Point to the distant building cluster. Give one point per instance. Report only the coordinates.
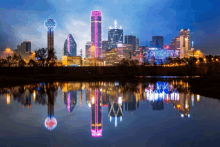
(117, 47)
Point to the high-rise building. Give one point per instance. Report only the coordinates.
(129, 39)
(96, 34)
(69, 46)
(157, 42)
(24, 47)
(184, 35)
(115, 36)
(137, 43)
(175, 44)
(88, 45)
(50, 24)
(105, 47)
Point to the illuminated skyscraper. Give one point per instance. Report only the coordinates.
(69, 46)
(175, 44)
(88, 45)
(50, 24)
(96, 33)
(115, 36)
(96, 113)
(184, 35)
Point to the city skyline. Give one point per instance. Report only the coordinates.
(28, 25)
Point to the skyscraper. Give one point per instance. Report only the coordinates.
(96, 33)
(137, 43)
(50, 24)
(129, 39)
(157, 42)
(69, 46)
(175, 44)
(88, 45)
(184, 35)
(105, 47)
(115, 36)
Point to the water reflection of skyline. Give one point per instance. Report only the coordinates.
(117, 98)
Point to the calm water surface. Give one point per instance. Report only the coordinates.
(107, 114)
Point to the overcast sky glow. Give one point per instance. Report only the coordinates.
(24, 20)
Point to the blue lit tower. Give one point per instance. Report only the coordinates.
(69, 46)
(50, 24)
(115, 36)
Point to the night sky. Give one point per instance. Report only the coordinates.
(24, 20)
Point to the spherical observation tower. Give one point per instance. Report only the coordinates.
(50, 24)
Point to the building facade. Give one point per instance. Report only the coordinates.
(184, 35)
(69, 46)
(96, 33)
(137, 43)
(115, 36)
(175, 43)
(131, 40)
(127, 50)
(157, 42)
(25, 47)
(87, 48)
(160, 55)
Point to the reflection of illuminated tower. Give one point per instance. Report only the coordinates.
(115, 110)
(96, 32)
(96, 114)
(70, 100)
(50, 122)
(50, 24)
(184, 105)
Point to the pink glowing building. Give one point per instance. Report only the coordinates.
(96, 34)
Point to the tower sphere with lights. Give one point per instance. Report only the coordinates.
(50, 24)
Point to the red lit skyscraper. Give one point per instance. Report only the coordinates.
(96, 34)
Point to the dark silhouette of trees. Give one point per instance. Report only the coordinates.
(41, 55)
(47, 56)
(51, 58)
(32, 63)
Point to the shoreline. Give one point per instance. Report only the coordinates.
(207, 86)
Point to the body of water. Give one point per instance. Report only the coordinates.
(108, 114)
